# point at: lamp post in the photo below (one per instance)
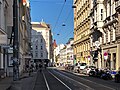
(15, 41)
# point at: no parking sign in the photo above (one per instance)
(105, 55)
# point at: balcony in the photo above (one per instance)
(117, 5)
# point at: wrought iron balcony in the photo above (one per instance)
(117, 5)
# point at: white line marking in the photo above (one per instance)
(46, 81)
(60, 81)
(76, 81)
(96, 83)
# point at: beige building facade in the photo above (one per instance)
(110, 38)
(82, 31)
(41, 41)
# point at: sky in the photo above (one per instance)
(56, 13)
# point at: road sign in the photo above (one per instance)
(88, 57)
(105, 55)
(97, 44)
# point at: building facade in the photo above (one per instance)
(96, 17)
(6, 34)
(82, 31)
(63, 57)
(57, 54)
(41, 41)
(69, 50)
(110, 37)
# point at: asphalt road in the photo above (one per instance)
(54, 79)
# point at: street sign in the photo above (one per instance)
(97, 44)
(88, 57)
(105, 55)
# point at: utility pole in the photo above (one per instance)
(15, 42)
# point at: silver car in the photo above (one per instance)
(87, 69)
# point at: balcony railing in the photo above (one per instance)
(117, 5)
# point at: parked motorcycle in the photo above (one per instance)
(106, 75)
(117, 77)
(92, 72)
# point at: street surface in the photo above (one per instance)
(54, 79)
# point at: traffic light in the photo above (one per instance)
(95, 56)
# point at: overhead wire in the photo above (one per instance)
(67, 18)
(59, 16)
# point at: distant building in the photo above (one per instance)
(41, 41)
(82, 30)
(57, 53)
(69, 50)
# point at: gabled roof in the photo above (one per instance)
(40, 24)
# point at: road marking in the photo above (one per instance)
(60, 81)
(98, 83)
(95, 83)
(76, 81)
(46, 81)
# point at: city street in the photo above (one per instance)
(54, 79)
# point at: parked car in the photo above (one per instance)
(87, 69)
(76, 68)
(82, 66)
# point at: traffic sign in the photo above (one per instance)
(105, 55)
(97, 44)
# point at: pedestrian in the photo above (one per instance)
(30, 70)
(40, 67)
(36, 66)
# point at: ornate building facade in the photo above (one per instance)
(82, 31)
(110, 37)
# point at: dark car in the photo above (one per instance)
(117, 77)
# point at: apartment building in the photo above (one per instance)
(110, 37)
(69, 51)
(6, 34)
(82, 31)
(41, 41)
(96, 17)
(57, 54)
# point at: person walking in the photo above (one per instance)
(40, 67)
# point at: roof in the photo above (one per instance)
(40, 24)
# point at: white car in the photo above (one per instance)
(87, 69)
(82, 66)
(76, 68)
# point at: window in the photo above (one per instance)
(41, 48)
(41, 40)
(36, 54)
(41, 54)
(36, 47)
(101, 14)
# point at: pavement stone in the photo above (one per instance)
(26, 82)
(5, 83)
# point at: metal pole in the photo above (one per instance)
(15, 42)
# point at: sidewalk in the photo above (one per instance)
(25, 83)
(5, 83)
